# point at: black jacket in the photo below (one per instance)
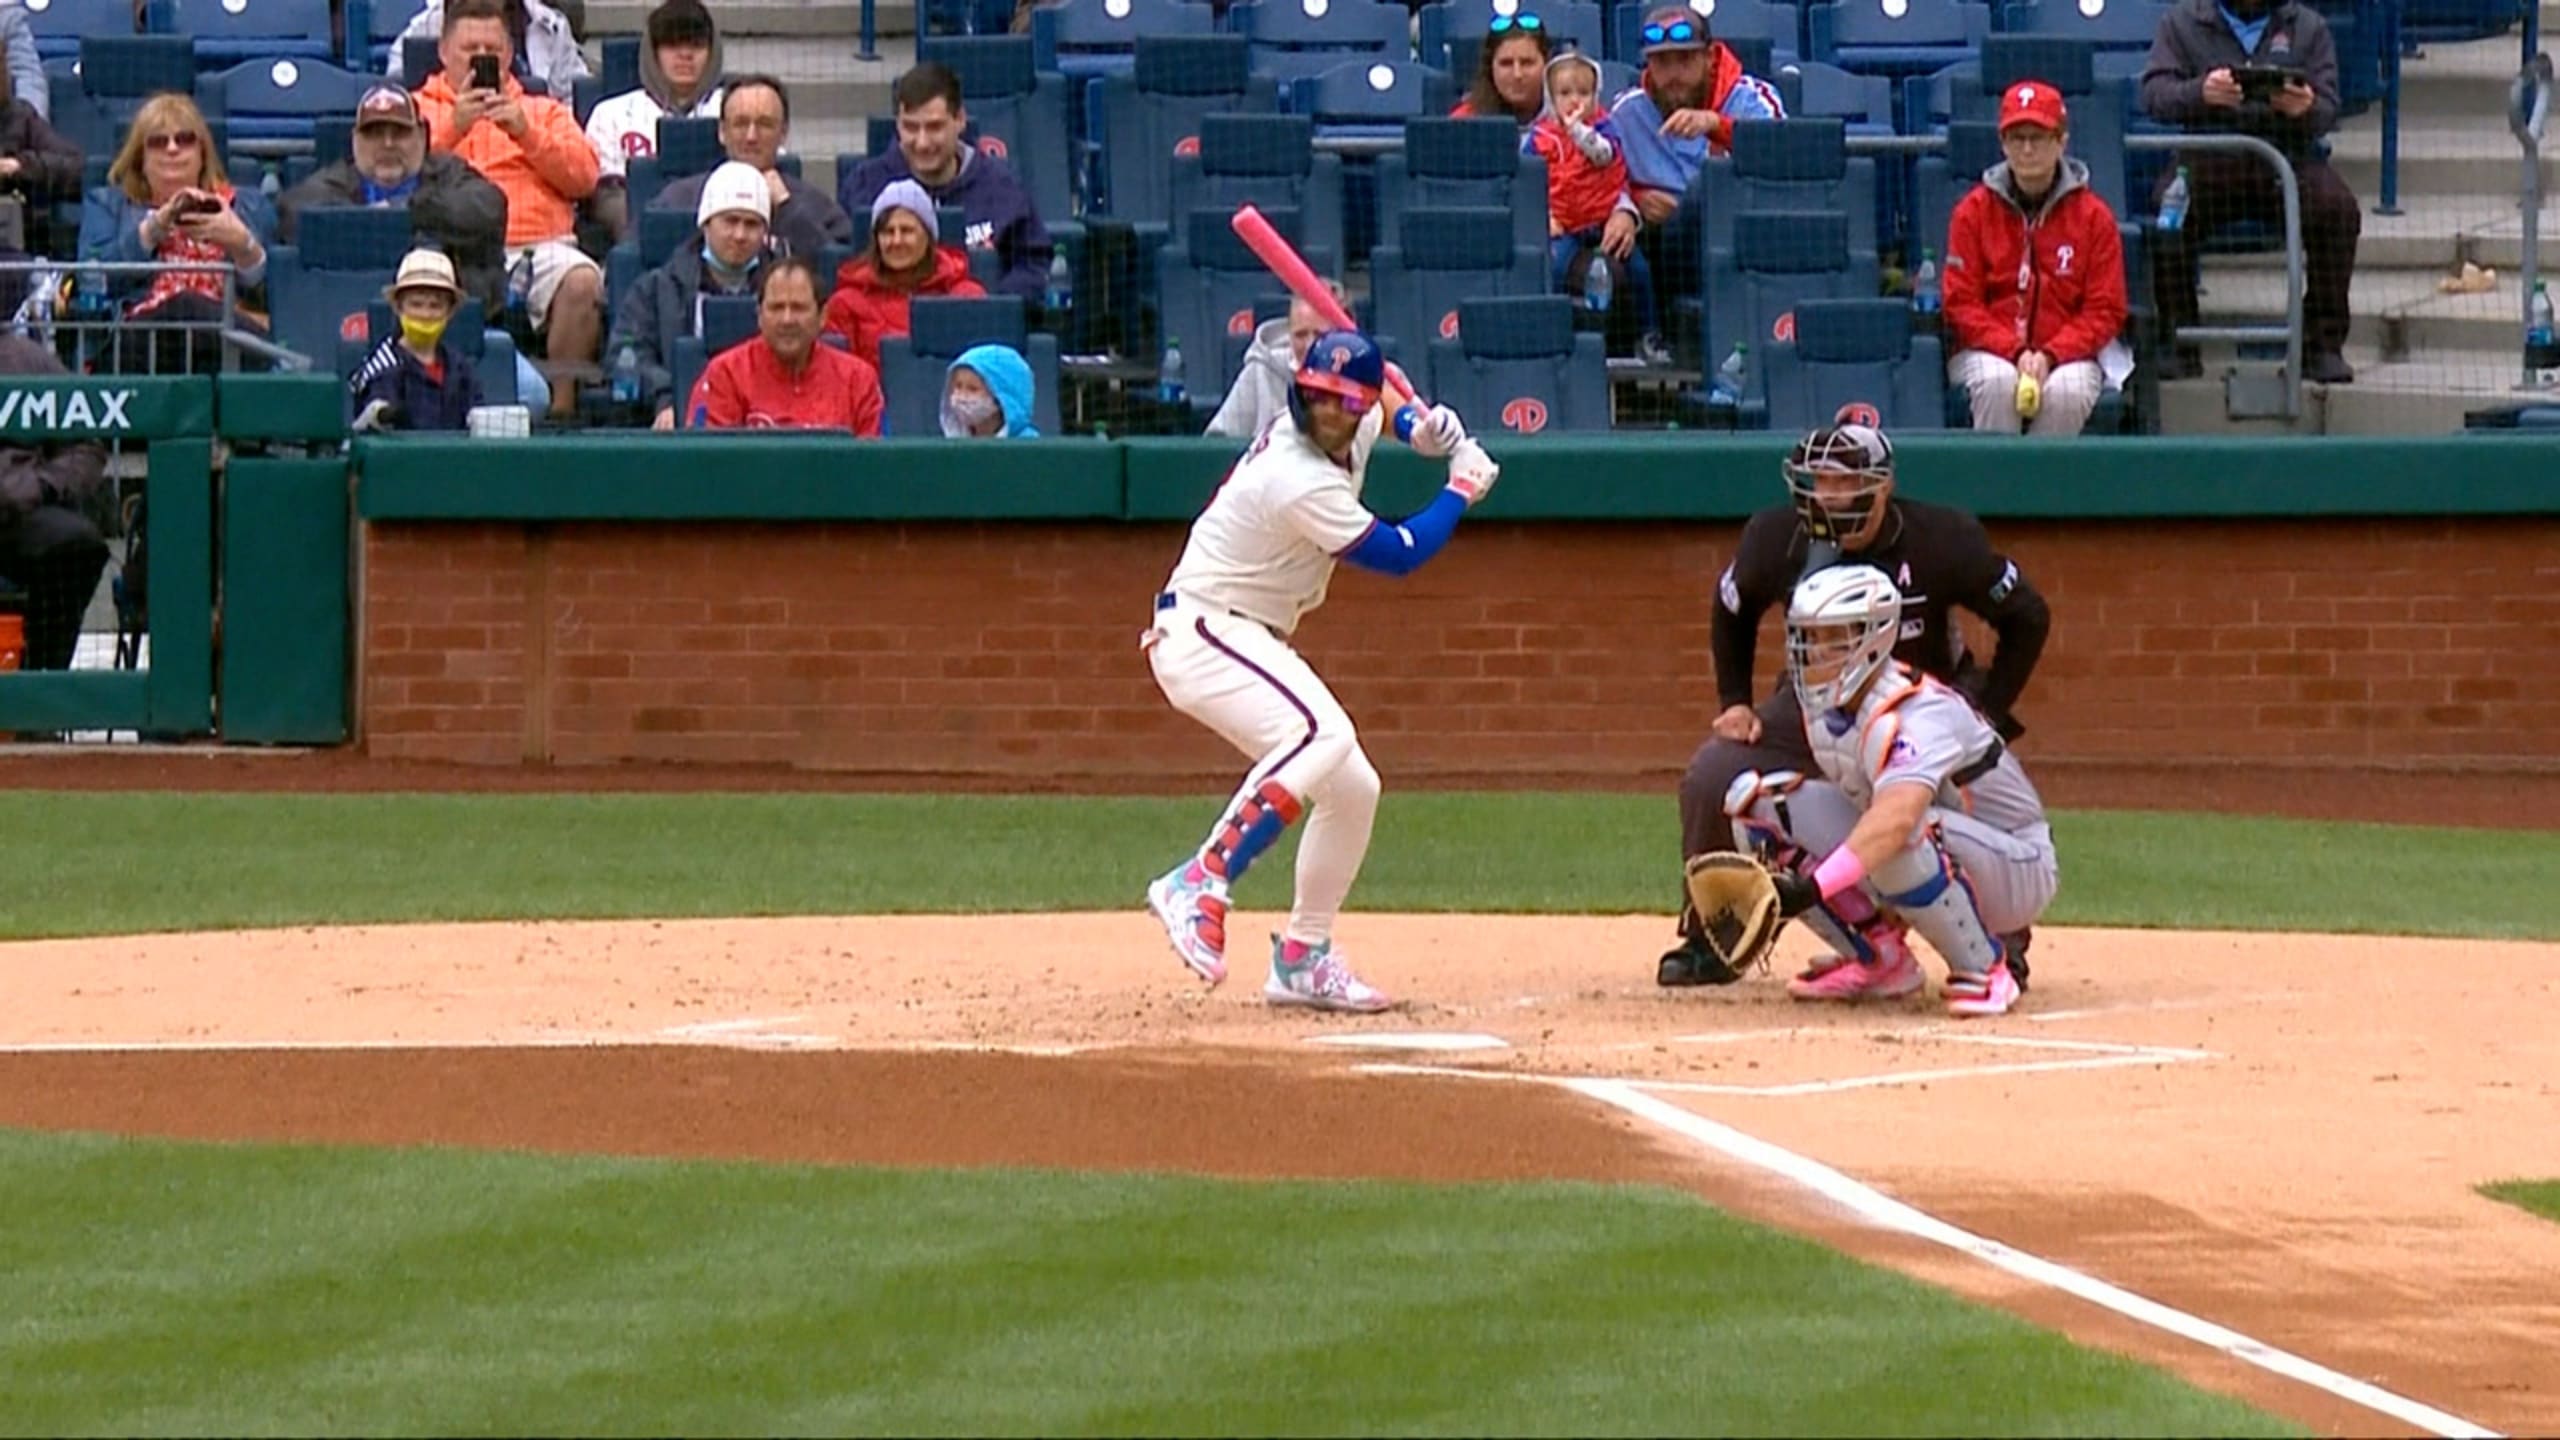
(49, 164)
(2194, 40)
(662, 307)
(425, 403)
(34, 473)
(454, 206)
(1938, 556)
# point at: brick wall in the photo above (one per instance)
(1562, 650)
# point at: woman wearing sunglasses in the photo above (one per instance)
(166, 199)
(1511, 71)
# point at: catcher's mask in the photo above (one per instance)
(1841, 626)
(1840, 477)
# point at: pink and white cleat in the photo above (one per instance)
(1194, 916)
(1320, 981)
(1895, 973)
(1974, 996)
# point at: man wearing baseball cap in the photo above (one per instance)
(722, 257)
(1686, 99)
(2034, 287)
(449, 203)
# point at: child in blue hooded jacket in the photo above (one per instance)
(986, 394)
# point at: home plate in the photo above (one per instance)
(1413, 1040)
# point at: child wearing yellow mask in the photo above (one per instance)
(414, 380)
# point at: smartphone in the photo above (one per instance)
(484, 72)
(195, 205)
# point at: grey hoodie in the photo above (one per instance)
(1262, 385)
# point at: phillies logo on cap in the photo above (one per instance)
(1859, 412)
(992, 145)
(1337, 357)
(1240, 323)
(1449, 326)
(1526, 414)
(2026, 96)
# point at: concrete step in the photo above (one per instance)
(2436, 232)
(2397, 312)
(2462, 81)
(2385, 399)
(766, 17)
(2438, 157)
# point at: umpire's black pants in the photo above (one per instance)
(55, 555)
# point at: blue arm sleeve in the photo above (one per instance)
(1401, 549)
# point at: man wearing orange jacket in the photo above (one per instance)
(531, 147)
(2034, 284)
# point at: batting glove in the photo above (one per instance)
(1471, 471)
(1438, 432)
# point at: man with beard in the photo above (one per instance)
(1682, 110)
(2266, 68)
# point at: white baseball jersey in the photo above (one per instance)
(1915, 728)
(1267, 543)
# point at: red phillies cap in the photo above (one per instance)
(2032, 102)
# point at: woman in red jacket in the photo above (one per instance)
(905, 260)
(2034, 285)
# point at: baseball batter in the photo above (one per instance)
(1842, 506)
(1917, 812)
(1258, 559)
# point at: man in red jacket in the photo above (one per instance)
(2034, 285)
(784, 379)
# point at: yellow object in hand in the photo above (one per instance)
(2030, 397)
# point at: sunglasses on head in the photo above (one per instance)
(1678, 32)
(173, 140)
(1504, 24)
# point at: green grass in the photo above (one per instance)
(2542, 1197)
(158, 1288)
(109, 863)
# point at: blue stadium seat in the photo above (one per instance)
(1569, 25)
(59, 25)
(1816, 91)
(234, 32)
(1269, 161)
(1146, 118)
(1788, 165)
(912, 366)
(2112, 27)
(1780, 259)
(1853, 352)
(1518, 365)
(374, 26)
(136, 67)
(1291, 39)
(1372, 98)
(1082, 38)
(687, 145)
(418, 60)
(1449, 255)
(1463, 162)
(1208, 285)
(727, 320)
(318, 287)
(1941, 179)
(1757, 31)
(1871, 38)
(661, 231)
(333, 138)
(1020, 115)
(273, 106)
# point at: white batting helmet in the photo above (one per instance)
(1842, 622)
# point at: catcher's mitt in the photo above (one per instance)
(1736, 903)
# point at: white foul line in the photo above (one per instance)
(1881, 1209)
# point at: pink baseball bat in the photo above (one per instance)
(1293, 272)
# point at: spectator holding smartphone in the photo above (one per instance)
(2209, 70)
(166, 199)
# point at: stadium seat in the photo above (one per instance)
(1853, 352)
(1780, 260)
(1787, 165)
(1208, 285)
(1019, 115)
(1757, 31)
(660, 232)
(1292, 39)
(1569, 25)
(419, 60)
(1463, 162)
(373, 28)
(333, 138)
(1896, 38)
(1146, 118)
(1372, 98)
(1518, 364)
(1084, 38)
(273, 106)
(1269, 161)
(966, 19)
(234, 32)
(59, 25)
(1449, 255)
(912, 366)
(2120, 31)
(687, 145)
(1941, 179)
(1815, 91)
(726, 321)
(318, 287)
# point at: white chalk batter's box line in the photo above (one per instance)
(2082, 1055)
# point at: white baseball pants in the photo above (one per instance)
(1247, 684)
(2070, 393)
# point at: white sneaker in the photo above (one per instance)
(1194, 919)
(1322, 982)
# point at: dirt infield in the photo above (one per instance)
(2279, 1134)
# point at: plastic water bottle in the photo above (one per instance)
(1061, 285)
(89, 294)
(626, 377)
(2541, 344)
(1597, 287)
(1924, 284)
(2173, 204)
(1732, 376)
(1169, 387)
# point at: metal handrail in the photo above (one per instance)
(2291, 188)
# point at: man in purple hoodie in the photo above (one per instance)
(930, 152)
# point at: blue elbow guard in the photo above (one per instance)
(1401, 549)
